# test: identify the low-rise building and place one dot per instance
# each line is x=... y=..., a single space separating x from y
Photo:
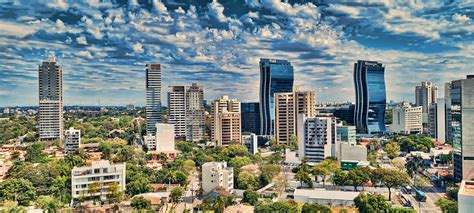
x=101 y=174
x=164 y=137
x=407 y=119
x=325 y=197
x=72 y=140
x=352 y=152
x=150 y=142
x=466 y=196
x=217 y=174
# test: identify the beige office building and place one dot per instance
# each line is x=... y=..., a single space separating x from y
x=50 y=77
x=287 y=107
x=225 y=121
x=407 y=119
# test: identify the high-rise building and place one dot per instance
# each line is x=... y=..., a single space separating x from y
x=186 y=111
x=288 y=106
x=225 y=121
x=195 y=113
x=316 y=138
x=153 y=97
x=407 y=119
x=217 y=174
x=50 y=100
x=275 y=76
x=437 y=120
x=177 y=110
x=425 y=95
x=250 y=113
x=72 y=140
x=165 y=137
x=369 y=81
x=102 y=174
x=462 y=125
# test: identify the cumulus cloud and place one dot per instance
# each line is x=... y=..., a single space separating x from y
x=81 y=40
x=159 y=6
x=216 y=10
x=137 y=48
x=85 y=54
x=59 y=4
x=461 y=18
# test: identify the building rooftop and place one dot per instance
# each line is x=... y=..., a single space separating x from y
x=326 y=194
x=467 y=188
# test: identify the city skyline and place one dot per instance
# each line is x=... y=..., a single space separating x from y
x=103 y=47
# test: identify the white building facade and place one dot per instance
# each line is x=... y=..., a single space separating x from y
x=315 y=139
x=407 y=119
x=217 y=174
x=72 y=140
x=100 y=173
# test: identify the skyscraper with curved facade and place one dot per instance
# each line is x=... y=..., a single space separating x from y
x=275 y=76
x=369 y=82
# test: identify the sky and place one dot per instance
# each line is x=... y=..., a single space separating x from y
x=103 y=46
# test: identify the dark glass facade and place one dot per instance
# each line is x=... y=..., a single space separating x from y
x=275 y=76
x=369 y=81
x=250 y=117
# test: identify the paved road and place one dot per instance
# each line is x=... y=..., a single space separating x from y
x=189 y=194
x=432 y=195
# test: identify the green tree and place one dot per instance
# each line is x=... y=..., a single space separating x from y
x=176 y=194
x=394 y=179
x=140 y=203
x=93 y=189
x=315 y=208
x=392 y=150
x=115 y=194
x=48 y=203
x=18 y=190
x=303 y=176
x=247 y=181
x=235 y=150
x=293 y=142
x=250 y=197
x=60 y=188
x=368 y=203
x=184 y=147
x=325 y=168
x=339 y=178
x=35 y=154
x=447 y=206
x=138 y=185
x=356 y=177
x=279 y=207
x=238 y=162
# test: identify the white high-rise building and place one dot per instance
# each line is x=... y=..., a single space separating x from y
x=407 y=119
x=177 y=109
x=51 y=125
x=101 y=173
x=186 y=111
x=437 y=120
x=316 y=138
x=72 y=140
x=153 y=97
x=225 y=121
x=425 y=95
x=165 y=137
x=217 y=174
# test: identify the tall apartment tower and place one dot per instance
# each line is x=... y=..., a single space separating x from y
x=275 y=76
x=225 y=121
x=50 y=100
x=369 y=81
x=195 y=113
x=177 y=110
x=186 y=111
x=407 y=119
x=462 y=125
x=153 y=97
x=288 y=106
x=250 y=113
x=437 y=120
x=425 y=95
x=316 y=138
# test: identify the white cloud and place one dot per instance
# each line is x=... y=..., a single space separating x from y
x=159 y=6
x=59 y=24
x=216 y=10
x=137 y=48
x=16 y=29
x=342 y=9
x=461 y=18
x=85 y=54
x=81 y=40
x=59 y=4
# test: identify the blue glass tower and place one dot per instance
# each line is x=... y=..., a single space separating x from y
x=369 y=113
x=275 y=76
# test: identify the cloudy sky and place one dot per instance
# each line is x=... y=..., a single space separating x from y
x=103 y=46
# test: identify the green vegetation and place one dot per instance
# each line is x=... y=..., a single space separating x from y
x=447 y=206
x=392 y=150
x=281 y=206
x=140 y=203
x=315 y=208
x=17 y=126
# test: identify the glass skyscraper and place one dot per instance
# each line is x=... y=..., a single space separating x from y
x=275 y=76
x=153 y=97
x=369 y=113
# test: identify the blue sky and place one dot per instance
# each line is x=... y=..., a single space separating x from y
x=104 y=45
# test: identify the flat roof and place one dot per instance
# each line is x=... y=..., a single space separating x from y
x=467 y=188
x=326 y=194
